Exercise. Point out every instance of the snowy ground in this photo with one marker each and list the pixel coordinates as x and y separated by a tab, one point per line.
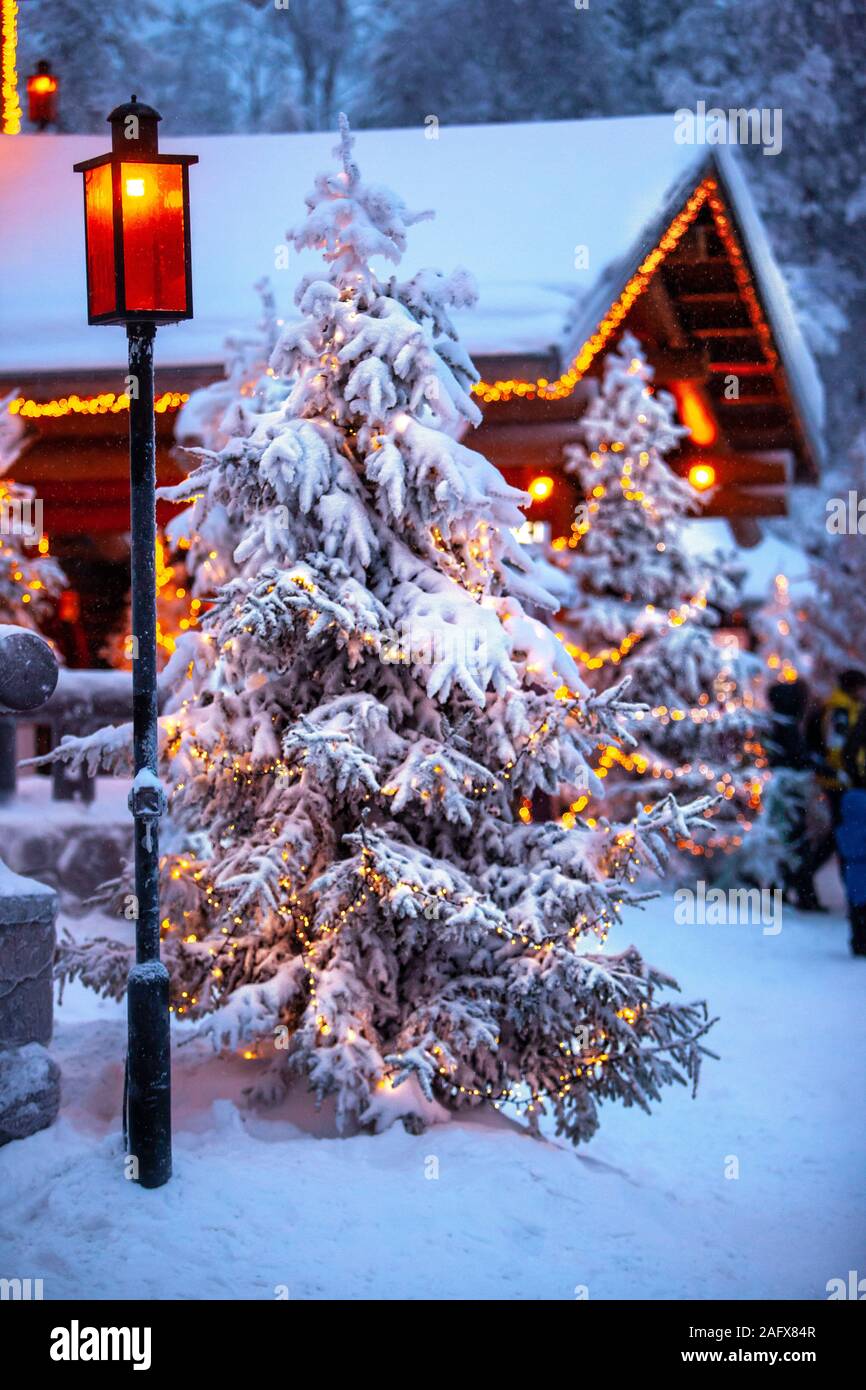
261	1207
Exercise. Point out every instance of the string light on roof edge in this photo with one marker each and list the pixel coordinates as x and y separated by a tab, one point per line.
706	192
107	403
491	392
565	384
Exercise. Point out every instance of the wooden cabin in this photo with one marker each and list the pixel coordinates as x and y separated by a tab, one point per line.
574	229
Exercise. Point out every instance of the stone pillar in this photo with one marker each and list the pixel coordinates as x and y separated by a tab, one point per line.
27	938
29	1078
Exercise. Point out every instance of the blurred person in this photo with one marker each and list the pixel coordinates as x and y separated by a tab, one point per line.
851	833
792	761
828	732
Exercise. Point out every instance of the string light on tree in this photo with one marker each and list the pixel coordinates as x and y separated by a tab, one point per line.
364	719
644	608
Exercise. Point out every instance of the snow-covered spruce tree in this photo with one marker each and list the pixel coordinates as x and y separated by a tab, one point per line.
833	626
220	411
775	842
644	606
351	734
779	636
30	580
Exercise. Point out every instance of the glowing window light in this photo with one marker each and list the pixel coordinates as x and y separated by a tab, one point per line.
702	476
694	413
541	488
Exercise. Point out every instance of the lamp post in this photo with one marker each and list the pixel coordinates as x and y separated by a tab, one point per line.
136	215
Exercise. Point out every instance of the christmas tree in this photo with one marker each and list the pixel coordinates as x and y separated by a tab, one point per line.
644	607
355	727
777	627
177	610
30	580
776	844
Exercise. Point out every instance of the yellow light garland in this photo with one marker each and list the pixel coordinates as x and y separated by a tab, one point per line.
105	404
11	105
706	192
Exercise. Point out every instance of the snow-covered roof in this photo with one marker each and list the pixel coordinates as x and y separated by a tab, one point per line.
513	204
800	366
760	563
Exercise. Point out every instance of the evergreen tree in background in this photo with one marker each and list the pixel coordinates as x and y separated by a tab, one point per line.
177	610
644	607
351	736
777	848
833	627
777	626
220	411
30	580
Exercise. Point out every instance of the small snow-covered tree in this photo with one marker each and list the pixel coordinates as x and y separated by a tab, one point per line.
30	580
777	843
777	628
177	610
645	607
350	738
833	627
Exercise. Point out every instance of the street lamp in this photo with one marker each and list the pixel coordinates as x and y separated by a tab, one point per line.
136	216
42	88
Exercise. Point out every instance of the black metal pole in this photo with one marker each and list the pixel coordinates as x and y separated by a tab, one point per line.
148	1103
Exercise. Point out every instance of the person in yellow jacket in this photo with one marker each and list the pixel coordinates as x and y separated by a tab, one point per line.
839	714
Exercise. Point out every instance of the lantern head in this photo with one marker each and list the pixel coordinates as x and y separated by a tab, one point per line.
42	87
136	218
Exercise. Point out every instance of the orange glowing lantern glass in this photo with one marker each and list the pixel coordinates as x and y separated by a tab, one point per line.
42	88
136	216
